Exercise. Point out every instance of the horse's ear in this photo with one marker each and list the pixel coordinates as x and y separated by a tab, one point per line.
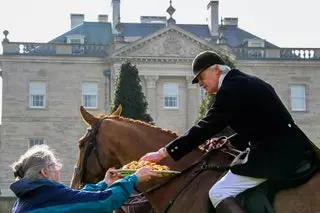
87	117
117	112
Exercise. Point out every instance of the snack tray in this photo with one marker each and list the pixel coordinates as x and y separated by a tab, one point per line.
126	172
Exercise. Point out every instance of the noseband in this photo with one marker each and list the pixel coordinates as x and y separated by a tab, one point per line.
92	146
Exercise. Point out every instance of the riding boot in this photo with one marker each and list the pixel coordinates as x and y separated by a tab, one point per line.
229	205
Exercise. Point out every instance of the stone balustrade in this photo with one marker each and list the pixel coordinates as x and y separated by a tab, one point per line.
252	53
53	49
241	53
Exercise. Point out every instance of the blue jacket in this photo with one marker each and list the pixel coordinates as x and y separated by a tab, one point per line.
43	195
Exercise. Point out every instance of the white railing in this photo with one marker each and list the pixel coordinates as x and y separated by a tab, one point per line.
247	53
53	49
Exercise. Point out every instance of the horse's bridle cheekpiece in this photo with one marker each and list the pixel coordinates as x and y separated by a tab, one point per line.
92	146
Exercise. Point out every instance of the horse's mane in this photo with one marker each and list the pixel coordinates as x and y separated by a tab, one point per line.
143	123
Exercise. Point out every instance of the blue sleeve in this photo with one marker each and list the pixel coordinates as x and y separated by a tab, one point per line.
121	192
100	186
82	201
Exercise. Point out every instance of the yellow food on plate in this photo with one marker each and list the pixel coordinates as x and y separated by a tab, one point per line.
139	164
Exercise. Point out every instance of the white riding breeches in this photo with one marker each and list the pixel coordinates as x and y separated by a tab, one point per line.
230	185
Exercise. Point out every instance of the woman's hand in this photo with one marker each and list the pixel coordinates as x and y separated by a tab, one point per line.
145	174
111	176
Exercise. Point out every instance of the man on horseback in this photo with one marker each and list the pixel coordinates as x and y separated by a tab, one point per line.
250	106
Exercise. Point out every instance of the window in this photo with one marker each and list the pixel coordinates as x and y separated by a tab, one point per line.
35	141
89	95
37	94
255	42
298	98
75	39
170	94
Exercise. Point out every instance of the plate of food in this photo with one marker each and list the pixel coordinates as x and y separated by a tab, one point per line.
132	167
126	172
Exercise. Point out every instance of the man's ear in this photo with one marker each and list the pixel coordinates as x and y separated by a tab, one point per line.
218	70
44	173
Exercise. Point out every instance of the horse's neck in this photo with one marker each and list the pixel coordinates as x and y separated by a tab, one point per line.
150	143
136	139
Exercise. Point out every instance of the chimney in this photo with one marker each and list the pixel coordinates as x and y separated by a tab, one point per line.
213	19
230	21
76	19
102	18
115	4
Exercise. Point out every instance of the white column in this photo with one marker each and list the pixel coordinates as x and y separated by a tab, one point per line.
107	88
151	94
192	102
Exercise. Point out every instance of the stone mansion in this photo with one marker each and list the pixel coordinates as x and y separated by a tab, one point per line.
44	84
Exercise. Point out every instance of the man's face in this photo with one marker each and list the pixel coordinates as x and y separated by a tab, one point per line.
209	79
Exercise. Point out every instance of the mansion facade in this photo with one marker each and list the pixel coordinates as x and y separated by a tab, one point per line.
44	84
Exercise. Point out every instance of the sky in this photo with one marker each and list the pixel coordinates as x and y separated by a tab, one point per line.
286	23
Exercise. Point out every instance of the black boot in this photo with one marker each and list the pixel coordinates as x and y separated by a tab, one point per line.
229	205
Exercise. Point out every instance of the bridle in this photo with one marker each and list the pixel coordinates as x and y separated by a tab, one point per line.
92	146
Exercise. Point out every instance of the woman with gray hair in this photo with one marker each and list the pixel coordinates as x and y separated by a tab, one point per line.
38	189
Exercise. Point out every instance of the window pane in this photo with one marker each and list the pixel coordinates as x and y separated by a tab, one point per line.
37	100
37	92
35	141
298	98
170	94
170	89
89	100
89	94
75	41
297	91
170	101
89	88
298	104
37	88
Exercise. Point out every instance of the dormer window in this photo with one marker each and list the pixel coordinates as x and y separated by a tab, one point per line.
75	39
256	42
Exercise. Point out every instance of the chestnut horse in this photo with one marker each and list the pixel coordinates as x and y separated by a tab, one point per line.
121	140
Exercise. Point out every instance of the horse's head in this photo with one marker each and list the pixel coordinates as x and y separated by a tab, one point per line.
93	160
113	141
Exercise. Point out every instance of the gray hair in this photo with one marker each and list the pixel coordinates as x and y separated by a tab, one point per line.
36	158
224	68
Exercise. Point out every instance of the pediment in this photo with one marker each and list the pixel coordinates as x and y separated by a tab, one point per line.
170	42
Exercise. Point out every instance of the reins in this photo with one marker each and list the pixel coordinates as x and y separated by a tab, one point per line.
205	166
